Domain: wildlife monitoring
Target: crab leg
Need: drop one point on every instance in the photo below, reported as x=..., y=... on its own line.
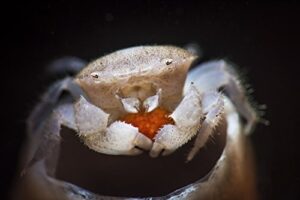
x=47, y=142
x=213, y=106
x=216, y=75
x=43, y=124
x=49, y=101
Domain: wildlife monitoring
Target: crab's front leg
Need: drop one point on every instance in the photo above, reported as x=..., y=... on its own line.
x=119, y=138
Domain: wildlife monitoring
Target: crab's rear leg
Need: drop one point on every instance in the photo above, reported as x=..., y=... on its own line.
x=71, y=65
x=44, y=122
x=213, y=107
x=216, y=75
x=53, y=96
x=50, y=101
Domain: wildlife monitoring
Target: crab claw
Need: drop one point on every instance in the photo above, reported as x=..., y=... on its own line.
x=119, y=138
x=126, y=139
x=158, y=149
x=142, y=142
x=186, y=116
x=164, y=141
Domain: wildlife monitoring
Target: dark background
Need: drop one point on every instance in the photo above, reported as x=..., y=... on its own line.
x=261, y=38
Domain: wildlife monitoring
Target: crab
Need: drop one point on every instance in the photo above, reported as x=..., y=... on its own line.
x=141, y=99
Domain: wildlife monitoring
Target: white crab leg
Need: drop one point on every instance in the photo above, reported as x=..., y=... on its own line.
x=213, y=107
x=187, y=117
x=119, y=138
x=214, y=75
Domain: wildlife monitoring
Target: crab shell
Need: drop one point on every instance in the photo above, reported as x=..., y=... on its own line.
x=136, y=72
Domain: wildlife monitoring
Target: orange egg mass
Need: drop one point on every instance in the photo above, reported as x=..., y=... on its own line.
x=149, y=123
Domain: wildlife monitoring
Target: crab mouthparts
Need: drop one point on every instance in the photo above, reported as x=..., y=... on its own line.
x=149, y=123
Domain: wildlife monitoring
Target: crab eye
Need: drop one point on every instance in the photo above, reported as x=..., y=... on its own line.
x=95, y=75
x=168, y=61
